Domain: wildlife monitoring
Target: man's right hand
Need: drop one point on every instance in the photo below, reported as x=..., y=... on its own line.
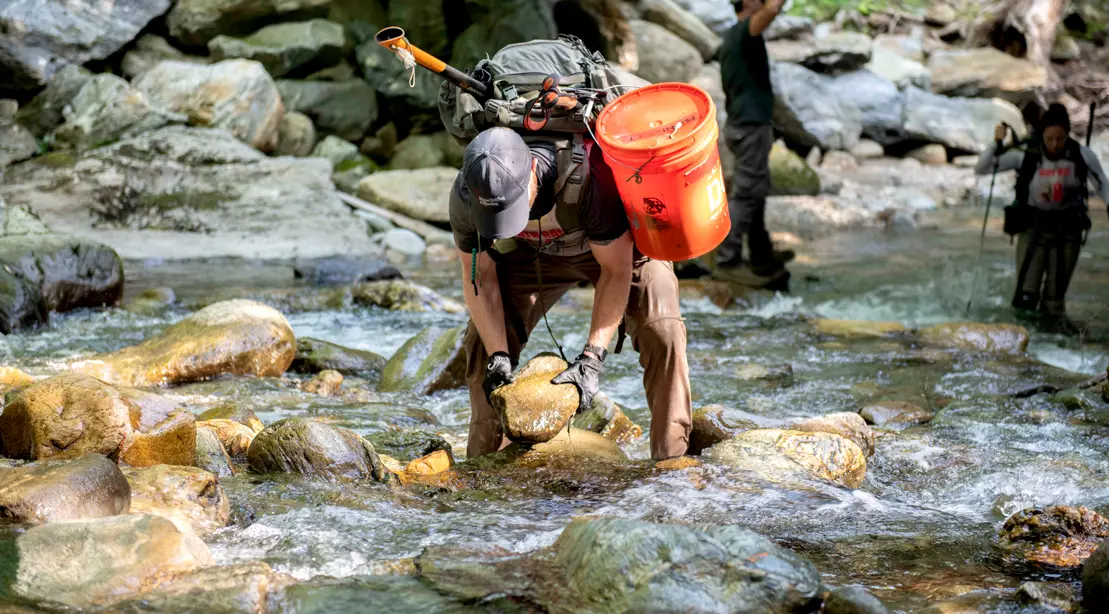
x=498, y=372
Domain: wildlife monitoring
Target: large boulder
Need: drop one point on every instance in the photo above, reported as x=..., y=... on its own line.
x=1052, y=537
x=534, y=410
x=236, y=337
x=978, y=337
x=93, y=562
x=16, y=142
x=106, y=109
x=790, y=175
x=419, y=194
x=236, y=95
x=295, y=47
x=663, y=55
x=713, y=424
x=346, y=109
x=45, y=110
x=195, y=22
x=498, y=24
x=50, y=491
x=314, y=356
x=210, y=455
x=149, y=51
x=985, y=72
x=41, y=36
x=845, y=424
x=776, y=453
x=959, y=123
x=401, y=295
x=1095, y=579
x=433, y=360
x=807, y=110
x=881, y=105
x=314, y=449
x=68, y=273
x=675, y=568
x=897, y=69
x=189, y=497
x=839, y=51
x=670, y=15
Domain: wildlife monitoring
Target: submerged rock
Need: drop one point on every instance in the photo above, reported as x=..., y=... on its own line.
x=775, y=452
x=154, y=301
x=314, y=449
x=283, y=48
x=1051, y=597
x=852, y=600
x=857, y=328
x=233, y=436
x=210, y=455
x=753, y=372
x=92, y=562
x=400, y=295
x=314, y=356
x=237, y=413
x=713, y=424
x=605, y=418
x=433, y=360
x=50, y=491
x=845, y=424
x=534, y=410
x=672, y=568
x=191, y=498
x=407, y=443
x=978, y=337
x=325, y=384
x=1056, y=536
x=896, y=415
x=1095, y=579
x=242, y=587
x=236, y=337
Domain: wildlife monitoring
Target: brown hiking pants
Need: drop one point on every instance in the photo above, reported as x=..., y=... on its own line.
x=654, y=323
x=1046, y=260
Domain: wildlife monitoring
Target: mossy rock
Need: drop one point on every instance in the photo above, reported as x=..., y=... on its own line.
x=790, y=175
x=713, y=424
x=314, y=356
x=777, y=454
x=433, y=360
x=314, y=449
x=235, y=412
x=407, y=444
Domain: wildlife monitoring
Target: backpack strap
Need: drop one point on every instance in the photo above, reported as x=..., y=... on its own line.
x=1081, y=169
x=573, y=173
x=1027, y=172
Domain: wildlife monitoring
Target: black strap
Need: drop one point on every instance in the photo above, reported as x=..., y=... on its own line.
x=539, y=294
x=620, y=333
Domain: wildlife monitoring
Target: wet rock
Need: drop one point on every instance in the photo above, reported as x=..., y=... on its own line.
x=607, y=419
x=380, y=593
x=106, y=109
x=51, y=491
x=417, y=194
x=237, y=337
x=568, y=443
x=663, y=56
x=164, y=433
x=845, y=424
x=407, y=443
x=929, y=154
x=532, y=409
x=402, y=246
x=90, y=562
x=283, y=48
x=670, y=15
x=44, y=111
x=775, y=452
x=753, y=372
x=191, y=498
x=790, y=175
x=195, y=22
x=39, y=40
x=236, y=95
x=852, y=600
x=343, y=270
x=12, y=378
x=16, y=143
x=233, y=436
x=296, y=135
x=1051, y=597
x=678, y=464
x=1095, y=579
x=432, y=464
x=978, y=337
x=713, y=424
x=336, y=151
x=325, y=384
x=399, y=295
x=837, y=52
x=314, y=356
x=239, y=588
x=346, y=109
x=314, y=449
x=154, y=301
x=210, y=455
x=881, y=105
x=899, y=70
x=149, y=51
x=896, y=415
x=68, y=273
x=21, y=304
x=1056, y=536
x=857, y=328
x=233, y=412
x=807, y=110
x=669, y=567
x=959, y=123
x=985, y=72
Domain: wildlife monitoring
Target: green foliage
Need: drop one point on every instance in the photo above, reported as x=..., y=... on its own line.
x=823, y=10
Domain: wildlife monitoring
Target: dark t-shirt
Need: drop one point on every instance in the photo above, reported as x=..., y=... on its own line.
x=745, y=69
x=601, y=216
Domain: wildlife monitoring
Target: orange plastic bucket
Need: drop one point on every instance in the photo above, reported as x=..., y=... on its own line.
x=660, y=142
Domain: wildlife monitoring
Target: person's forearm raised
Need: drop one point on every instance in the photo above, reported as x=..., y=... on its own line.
x=486, y=308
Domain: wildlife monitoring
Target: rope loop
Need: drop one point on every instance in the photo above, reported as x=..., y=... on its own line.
x=409, y=61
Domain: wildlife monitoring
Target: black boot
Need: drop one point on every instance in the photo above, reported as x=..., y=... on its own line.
x=1026, y=301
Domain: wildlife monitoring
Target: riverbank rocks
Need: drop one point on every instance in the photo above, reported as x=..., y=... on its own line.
x=417, y=194
x=391, y=80
x=325, y=384
x=314, y=356
x=857, y=328
x=164, y=433
x=68, y=273
x=237, y=588
x=296, y=135
x=150, y=50
x=899, y=70
x=235, y=95
x=87, y=563
x=21, y=304
x=12, y=378
x=234, y=412
x=346, y=109
x=283, y=48
x=568, y=443
x=402, y=295
x=808, y=112
x=16, y=142
x=210, y=454
x=845, y=424
x=773, y=374
x=189, y=497
x=50, y=491
x=1095, y=579
x=534, y=410
x=195, y=22
x=670, y=15
x=713, y=424
x=433, y=360
x=499, y=23
x=881, y=105
x=978, y=337
x=236, y=337
x=960, y=123
x=106, y=109
x=1056, y=536
x=39, y=39
x=790, y=175
x=852, y=600
x=666, y=568
x=933, y=154
x=605, y=418
x=233, y=436
x=985, y=72
x=663, y=56
x=776, y=452
x=836, y=52
x=896, y=415
x=314, y=449
x=44, y=111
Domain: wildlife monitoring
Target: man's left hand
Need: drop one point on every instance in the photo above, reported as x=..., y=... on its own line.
x=585, y=373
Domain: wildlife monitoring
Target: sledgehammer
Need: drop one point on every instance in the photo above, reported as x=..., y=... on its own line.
x=393, y=39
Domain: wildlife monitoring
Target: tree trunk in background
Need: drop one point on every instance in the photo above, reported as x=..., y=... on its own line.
x=1038, y=21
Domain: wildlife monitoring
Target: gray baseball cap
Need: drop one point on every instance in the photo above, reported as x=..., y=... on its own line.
x=497, y=170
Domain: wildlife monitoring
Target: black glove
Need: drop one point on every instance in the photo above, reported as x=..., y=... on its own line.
x=585, y=373
x=498, y=372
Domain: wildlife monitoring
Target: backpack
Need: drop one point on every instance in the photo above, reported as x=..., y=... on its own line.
x=515, y=75
x=1031, y=165
x=1020, y=216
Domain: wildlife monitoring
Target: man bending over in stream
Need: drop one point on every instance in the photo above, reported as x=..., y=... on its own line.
x=531, y=247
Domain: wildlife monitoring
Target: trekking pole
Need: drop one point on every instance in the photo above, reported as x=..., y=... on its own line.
x=394, y=39
x=985, y=221
x=1090, y=126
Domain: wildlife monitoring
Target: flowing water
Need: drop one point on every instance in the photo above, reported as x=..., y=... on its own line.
x=918, y=530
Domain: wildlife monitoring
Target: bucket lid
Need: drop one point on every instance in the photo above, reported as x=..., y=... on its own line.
x=656, y=120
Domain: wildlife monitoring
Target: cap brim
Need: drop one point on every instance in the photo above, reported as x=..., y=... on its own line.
x=504, y=223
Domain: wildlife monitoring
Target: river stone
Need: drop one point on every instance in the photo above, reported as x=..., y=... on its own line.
x=343, y=270
x=50, y=491
x=1051, y=597
x=195, y=22
x=839, y=51
x=402, y=246
x=896, y=415
x=283, y=48
x=418, y=151
x=401, y=295
x=852, y=600
x=845, y=424
x=435, y=463
x=233, y=436
x=69, y=273
x=663, y=56
x=42, y=36
x=532, y=409
x=978, y=337
x=314, y=356
x=151, y=302
x=16, y=143
x=236, y=95
x=407, y=443
x=149, y=51
x=12, y=378
x=164, y=433
x=234, y=412
x=713, y=424
x=774, y=452
x=933, y=154
x=433, y=360
x=605, y=418
x=790, y=175
x=1056, y=536
x=44, y=111
x=670, y=15
x=239, y=588
x=314, y=449
x=959, y=123
x=418, y=194
x=336, y=151
x=807, y=110
x=898, y=69
x=189, y=497
x=236, y=337
x=210, y=455
x=346, y=109
x=754, y=372
x=296, y=135
x=675, y=568
x=106, y=109
x=21, y=304
x=985, y=72
x=857, y=328
x=881, y=105
x=325, y=384
x=91, y=562
x=571, y=443
x=1095, y=579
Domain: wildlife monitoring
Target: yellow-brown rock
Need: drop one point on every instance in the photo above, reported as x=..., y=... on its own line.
x=857, y=328
x=713, y=424
x=844, y=424
x=776, y=453
x=191, y=498
x=432, y=464
x=12, y=378
x=606, y=418
x=233, y=436
x=325, y=384
x=238, y=413
x=165, y=434
x=1056, y=536
x=571, y=443
x=532, y=408
x=896, y=415
x=978, y=337
x=50, y=491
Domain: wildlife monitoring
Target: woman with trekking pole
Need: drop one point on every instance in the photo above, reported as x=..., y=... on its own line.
x=1049, y=216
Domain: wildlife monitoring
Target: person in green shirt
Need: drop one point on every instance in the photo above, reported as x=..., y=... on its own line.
x=745, y=68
